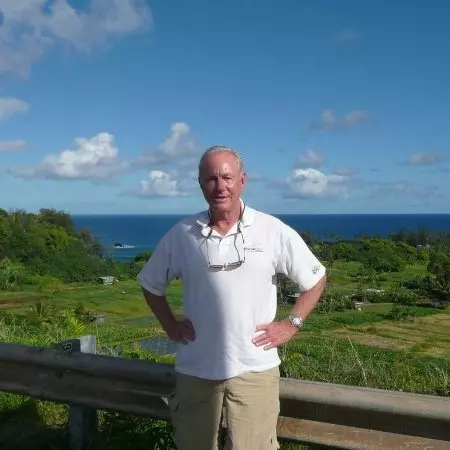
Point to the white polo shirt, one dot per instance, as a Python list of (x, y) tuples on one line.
[(226, 304)]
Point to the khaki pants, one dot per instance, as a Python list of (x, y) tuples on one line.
[(250, 404)]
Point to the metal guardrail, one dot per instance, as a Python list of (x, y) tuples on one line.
[(312, 413)]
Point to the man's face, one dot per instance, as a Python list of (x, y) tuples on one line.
[(221, 182)]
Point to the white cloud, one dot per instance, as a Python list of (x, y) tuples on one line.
[(10, 106), (347, 35), (310, 158), (12, 146), (178, 148), (159, 184), (179, 142), (172, 165), (97, 159), (30, 27), (312, 183), (329, 121), (345, 171), (420, 159), (94, 158)]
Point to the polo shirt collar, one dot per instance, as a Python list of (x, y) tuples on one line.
[(247, 219)]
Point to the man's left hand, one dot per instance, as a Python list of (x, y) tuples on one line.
[(274, 334)]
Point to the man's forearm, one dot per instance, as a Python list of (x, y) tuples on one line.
[(308, 300), (161, 309)]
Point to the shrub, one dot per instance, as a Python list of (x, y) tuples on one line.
[(347, 251), (11, 275), (416, 283), (438, 281), (82, 314), (398, 312), (384, 256), (371, 296), (385, 263), (143, 256), (404, 296), (47, 284), (335, 301)]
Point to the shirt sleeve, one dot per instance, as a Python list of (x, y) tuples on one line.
[(297, 261), (159, 270)]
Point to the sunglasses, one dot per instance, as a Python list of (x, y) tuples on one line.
[(217, 262)]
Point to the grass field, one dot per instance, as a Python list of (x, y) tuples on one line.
[(364, 348), (121, 300), (344, 275), (125, 298), (427, 336)]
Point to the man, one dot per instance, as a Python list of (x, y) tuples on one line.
[(227, 360)]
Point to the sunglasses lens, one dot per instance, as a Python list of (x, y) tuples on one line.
[(239, 251)]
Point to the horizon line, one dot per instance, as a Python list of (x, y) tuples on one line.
[(275, 214)]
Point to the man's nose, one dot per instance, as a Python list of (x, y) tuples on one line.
[(220, 185)]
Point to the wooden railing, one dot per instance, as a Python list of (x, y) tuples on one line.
[(312, 413)]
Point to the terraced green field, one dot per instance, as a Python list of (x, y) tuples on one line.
[(365, 348), (427, 336)]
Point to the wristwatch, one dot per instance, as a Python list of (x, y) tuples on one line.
[(295, 321)]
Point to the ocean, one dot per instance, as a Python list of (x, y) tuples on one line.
[(140, 233)]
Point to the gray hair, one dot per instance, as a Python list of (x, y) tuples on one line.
[(220, 149)]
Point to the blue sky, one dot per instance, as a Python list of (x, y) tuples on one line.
[(336, 107)]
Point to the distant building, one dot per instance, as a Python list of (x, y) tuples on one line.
[(108, 280), (99, 318), (374, 291)]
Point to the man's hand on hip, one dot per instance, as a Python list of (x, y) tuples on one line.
[(182, 331), (274, 334)]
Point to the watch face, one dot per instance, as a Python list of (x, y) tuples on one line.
[(296, 321)]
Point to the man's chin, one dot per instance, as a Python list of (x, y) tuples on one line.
[(220, 205)]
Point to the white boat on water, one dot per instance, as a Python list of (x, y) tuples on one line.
[(120, 245)]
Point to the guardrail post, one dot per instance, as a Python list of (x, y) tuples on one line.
[(82, 420)]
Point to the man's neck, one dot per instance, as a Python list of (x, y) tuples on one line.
[(223, 221)]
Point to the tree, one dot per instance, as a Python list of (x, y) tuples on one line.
[(307, 237), (142, 257), (58, 218), (439, 278), (91, 243), (347, 251), (282, 285), (381, 256), (47, 245)]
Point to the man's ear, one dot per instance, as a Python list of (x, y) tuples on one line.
[(243, 178)]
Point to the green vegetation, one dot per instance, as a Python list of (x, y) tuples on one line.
[(44, 250), (383, 321), (333, 359)]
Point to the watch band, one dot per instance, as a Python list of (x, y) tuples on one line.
[(295, 321)]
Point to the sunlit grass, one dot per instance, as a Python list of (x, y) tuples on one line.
[(122, 300), (343, 275), (345, 347), (343, 361)]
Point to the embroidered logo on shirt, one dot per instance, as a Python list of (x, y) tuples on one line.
[(315, 269), (253, 248)]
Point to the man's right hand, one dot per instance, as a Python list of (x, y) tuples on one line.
[(183, 331)]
